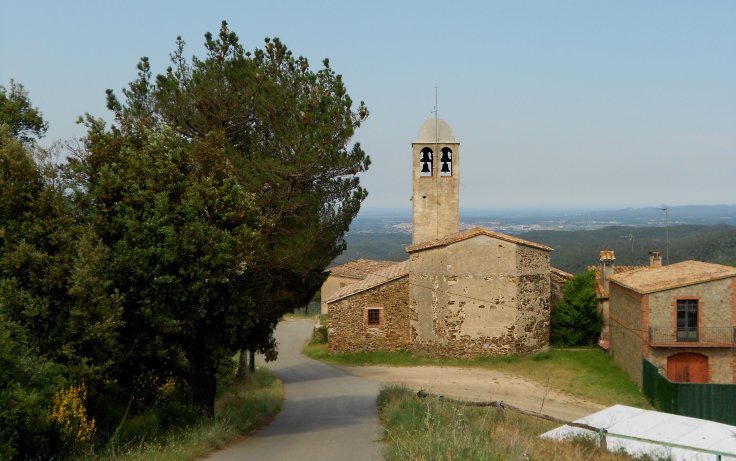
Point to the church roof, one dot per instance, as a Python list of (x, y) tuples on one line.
[(673, 276), (388, 274), (435, 130), (470, 233), (359, 268)]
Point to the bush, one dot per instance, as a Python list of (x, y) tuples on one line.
[(576, 320), (319, 335)]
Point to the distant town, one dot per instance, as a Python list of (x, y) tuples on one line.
[(517, 222)]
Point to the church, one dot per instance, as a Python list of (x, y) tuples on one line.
[(460, 293)]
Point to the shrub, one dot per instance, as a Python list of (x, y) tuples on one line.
[(319, 335), (576, 320)]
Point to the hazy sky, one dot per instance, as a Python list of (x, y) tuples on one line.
[(563, 104)]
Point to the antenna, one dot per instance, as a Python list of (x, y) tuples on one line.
[(666, 210), (436, 122)]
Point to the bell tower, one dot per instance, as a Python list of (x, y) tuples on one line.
[(436, 182)]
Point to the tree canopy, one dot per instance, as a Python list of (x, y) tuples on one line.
[(576, 320), (169, 239), (18, 115)]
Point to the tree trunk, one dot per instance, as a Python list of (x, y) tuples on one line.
[(242, 374), (252, 362), (204, 386)]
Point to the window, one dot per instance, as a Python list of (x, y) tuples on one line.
[(374, 316), (425, 160), (446, 160), (687, 319)]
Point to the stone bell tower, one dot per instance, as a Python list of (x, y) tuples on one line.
[(436, 182)]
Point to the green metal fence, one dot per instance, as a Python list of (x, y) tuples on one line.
[(714, 402)]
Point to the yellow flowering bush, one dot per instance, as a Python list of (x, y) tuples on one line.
[(69, 412)]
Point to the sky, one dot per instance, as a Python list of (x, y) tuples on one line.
[(556, 104)]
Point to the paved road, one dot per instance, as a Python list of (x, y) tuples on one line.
[(328, 415)]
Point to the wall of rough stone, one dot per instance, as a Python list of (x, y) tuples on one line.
[(626, 335), (465, 298), (715, 310), (533, 299), (715, 305), (347, 327), (330, 287)]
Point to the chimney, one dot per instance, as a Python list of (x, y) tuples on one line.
[(607, 258), (655, 259)]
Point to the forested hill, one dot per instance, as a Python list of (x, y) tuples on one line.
[(575, 250)]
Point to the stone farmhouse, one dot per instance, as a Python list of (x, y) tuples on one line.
[(460, 293), (346, 274), (680, 317), (603, 273)]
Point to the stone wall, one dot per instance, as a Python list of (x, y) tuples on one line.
[(715, 310), (330, 287), (480, 296), (347, 326), (626, 330)]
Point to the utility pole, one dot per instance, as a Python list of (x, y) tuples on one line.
[(666, 210)]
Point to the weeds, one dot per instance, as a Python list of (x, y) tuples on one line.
[(424, 429), (238, 409)]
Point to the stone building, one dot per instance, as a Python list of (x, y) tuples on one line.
[(681, 317), (603, 272), (347, 274), (461, 293)]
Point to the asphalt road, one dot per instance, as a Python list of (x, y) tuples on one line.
[(328, 415)]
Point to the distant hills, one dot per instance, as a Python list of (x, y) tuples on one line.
[(705, 233)]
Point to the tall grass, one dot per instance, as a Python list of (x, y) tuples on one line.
[(239, 408), (587, 372), (428, 429)]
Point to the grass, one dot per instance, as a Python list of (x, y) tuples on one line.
[(239, 408), (419, 429), (588, 373)]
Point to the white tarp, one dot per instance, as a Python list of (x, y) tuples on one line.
[(655, 425)]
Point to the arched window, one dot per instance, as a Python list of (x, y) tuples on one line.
[(446, 161), (425, 161)]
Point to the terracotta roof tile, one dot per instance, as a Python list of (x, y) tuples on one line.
[(359, 268), (600, 290), (559, 273), (393, 272), (470, 233), (673, 276)]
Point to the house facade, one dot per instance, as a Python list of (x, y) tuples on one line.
[(681, 318)]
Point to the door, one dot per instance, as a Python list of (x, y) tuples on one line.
[(687, 367)]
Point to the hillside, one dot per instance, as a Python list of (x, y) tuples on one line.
[(575, 250)]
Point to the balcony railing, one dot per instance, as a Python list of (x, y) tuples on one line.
[(692, 337)]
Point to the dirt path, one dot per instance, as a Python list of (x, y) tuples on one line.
[(481, 385)]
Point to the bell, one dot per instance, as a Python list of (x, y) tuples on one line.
[(425, 167), (445, 167)]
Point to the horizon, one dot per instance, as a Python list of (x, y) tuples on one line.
[(587, 104)]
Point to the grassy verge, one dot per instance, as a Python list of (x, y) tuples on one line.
[(239, 408), (418, 429), (587, 373)]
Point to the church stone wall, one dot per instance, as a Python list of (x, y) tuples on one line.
[(533, 299), (466, 298), (348, 330)]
